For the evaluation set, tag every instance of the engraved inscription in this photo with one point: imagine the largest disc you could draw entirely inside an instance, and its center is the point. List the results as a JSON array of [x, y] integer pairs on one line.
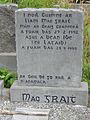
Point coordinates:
[[49, 46], [49, 99]]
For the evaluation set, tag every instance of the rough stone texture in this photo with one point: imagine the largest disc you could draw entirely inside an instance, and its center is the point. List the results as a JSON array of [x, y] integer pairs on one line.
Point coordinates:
[[1, 86], [57, 111], [6, 93], [49, 48], [36, 114], [68, 95], [7, 28]]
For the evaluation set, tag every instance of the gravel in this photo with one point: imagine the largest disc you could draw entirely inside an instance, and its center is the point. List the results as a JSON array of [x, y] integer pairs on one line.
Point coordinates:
[[57, 111]]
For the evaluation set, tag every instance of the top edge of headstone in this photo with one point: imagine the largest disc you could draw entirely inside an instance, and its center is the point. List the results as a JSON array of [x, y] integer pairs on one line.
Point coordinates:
[[48, 9], [6, 5]]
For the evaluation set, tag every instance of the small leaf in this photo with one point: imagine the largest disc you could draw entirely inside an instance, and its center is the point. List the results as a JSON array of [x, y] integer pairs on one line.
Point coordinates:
[[2, 76]]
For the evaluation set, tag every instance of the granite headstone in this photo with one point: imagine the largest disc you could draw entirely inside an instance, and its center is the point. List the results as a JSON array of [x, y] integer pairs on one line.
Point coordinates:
[[49, 44], [49, 47]]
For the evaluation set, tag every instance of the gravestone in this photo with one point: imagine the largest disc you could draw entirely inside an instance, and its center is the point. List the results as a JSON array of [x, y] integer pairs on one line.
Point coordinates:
[[7, 28], [49, 45]]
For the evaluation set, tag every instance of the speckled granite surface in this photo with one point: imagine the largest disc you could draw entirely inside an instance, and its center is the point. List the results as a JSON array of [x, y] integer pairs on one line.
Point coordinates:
[[57, 111]]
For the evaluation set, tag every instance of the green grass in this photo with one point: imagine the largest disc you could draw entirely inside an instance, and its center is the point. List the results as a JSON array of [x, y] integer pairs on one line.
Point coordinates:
[[38, 3], [86, 51]]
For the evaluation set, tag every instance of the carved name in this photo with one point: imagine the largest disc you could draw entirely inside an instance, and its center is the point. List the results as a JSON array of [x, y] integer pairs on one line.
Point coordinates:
[[49, 99]]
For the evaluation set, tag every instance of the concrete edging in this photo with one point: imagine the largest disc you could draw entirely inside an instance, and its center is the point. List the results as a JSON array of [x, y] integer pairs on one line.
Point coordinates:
[[8, 60]]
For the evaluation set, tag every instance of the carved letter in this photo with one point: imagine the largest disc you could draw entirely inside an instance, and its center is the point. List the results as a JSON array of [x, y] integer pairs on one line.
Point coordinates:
[[54, 99], [37, 98], [63, 100], [25, 97], [73, 99], [47, 98]]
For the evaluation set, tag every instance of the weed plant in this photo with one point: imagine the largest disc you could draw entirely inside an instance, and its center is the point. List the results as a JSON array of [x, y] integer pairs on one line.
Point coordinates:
[[86, 50], [7, 76]]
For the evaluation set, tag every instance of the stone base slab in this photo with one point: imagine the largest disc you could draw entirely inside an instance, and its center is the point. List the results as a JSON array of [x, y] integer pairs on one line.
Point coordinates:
[[67, 95], [6, 93], [30, 114], [1, 86]]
